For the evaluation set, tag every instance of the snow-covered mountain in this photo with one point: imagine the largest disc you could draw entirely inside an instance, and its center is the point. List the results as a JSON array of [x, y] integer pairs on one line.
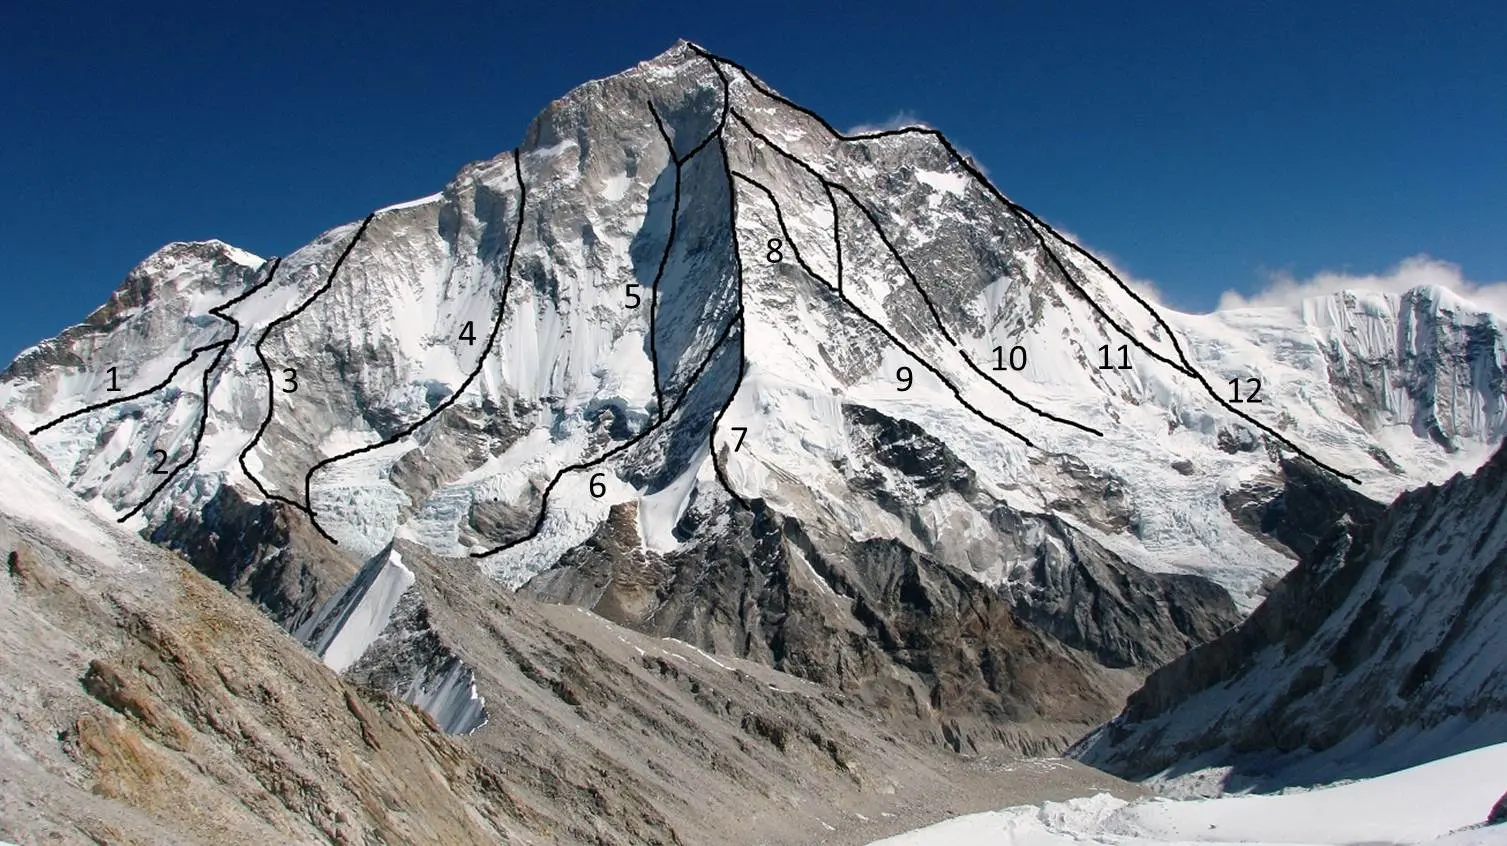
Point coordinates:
[[1382, 649], [690, 358]]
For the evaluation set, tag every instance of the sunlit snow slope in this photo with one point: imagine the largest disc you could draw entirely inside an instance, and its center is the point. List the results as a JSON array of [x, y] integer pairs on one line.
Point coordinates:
[[1440, 802]]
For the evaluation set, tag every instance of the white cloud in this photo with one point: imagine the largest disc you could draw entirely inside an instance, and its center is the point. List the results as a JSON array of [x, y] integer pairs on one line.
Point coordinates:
[[898, 120], [1283, 289], [1144, 287], [973, 160], [907, 118]]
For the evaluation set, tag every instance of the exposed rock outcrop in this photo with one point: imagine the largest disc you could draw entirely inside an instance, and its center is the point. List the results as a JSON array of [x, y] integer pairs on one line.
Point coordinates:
[[264, 552], [1297, 506], [1019, 665]]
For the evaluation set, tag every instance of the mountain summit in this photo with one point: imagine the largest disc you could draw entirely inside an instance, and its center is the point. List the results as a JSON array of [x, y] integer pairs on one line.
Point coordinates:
[[693, 359]]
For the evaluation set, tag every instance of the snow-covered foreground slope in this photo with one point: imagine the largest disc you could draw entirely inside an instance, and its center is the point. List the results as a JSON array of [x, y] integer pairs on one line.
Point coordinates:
[[1425, 804]]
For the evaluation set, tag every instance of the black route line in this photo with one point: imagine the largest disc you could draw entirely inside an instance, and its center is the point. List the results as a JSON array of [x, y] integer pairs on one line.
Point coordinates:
[[830, 186], [736, 318], [836, 234], [1011, 394], [217, 311], [889, 245], [1187, 369], [193, 355], [1181, 366], [958, 394], [973, 171], [1038, 224], [721, 121], [664, 259], [267, 368], [659, 393], [481, 361], [739, 317], [732, 225], [874, 221], [690, 384]]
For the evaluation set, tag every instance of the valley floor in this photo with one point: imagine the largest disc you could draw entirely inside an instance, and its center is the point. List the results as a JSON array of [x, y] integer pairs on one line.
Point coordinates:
[[1437, 803]]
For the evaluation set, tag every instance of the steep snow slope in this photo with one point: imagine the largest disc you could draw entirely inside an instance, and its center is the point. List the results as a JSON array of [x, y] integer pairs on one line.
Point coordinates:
[[371, 607], [1425, 804], [1381, 649]]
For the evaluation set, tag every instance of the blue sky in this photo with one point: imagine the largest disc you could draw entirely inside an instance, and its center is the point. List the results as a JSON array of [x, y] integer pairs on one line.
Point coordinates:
[[1205, 147]]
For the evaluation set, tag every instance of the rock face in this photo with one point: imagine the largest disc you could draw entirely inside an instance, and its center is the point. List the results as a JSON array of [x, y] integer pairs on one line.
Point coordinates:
[[143, 704], [1296, 507], [901, 626], [690, 358], [875, 619], [1425, 357], [264, 552], [1380, 650]]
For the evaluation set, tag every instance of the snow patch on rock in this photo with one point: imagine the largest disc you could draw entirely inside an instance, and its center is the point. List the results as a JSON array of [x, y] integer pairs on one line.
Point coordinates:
[[340, 632]]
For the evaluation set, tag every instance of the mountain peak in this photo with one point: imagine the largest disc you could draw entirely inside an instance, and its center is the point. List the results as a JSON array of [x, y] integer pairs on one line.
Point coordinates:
[[681, 84], [1440, 298], [676, 54], [211, 250]]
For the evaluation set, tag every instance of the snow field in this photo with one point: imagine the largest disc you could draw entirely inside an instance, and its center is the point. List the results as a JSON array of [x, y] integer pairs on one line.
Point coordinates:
[[1424, 804], [33, 494]]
